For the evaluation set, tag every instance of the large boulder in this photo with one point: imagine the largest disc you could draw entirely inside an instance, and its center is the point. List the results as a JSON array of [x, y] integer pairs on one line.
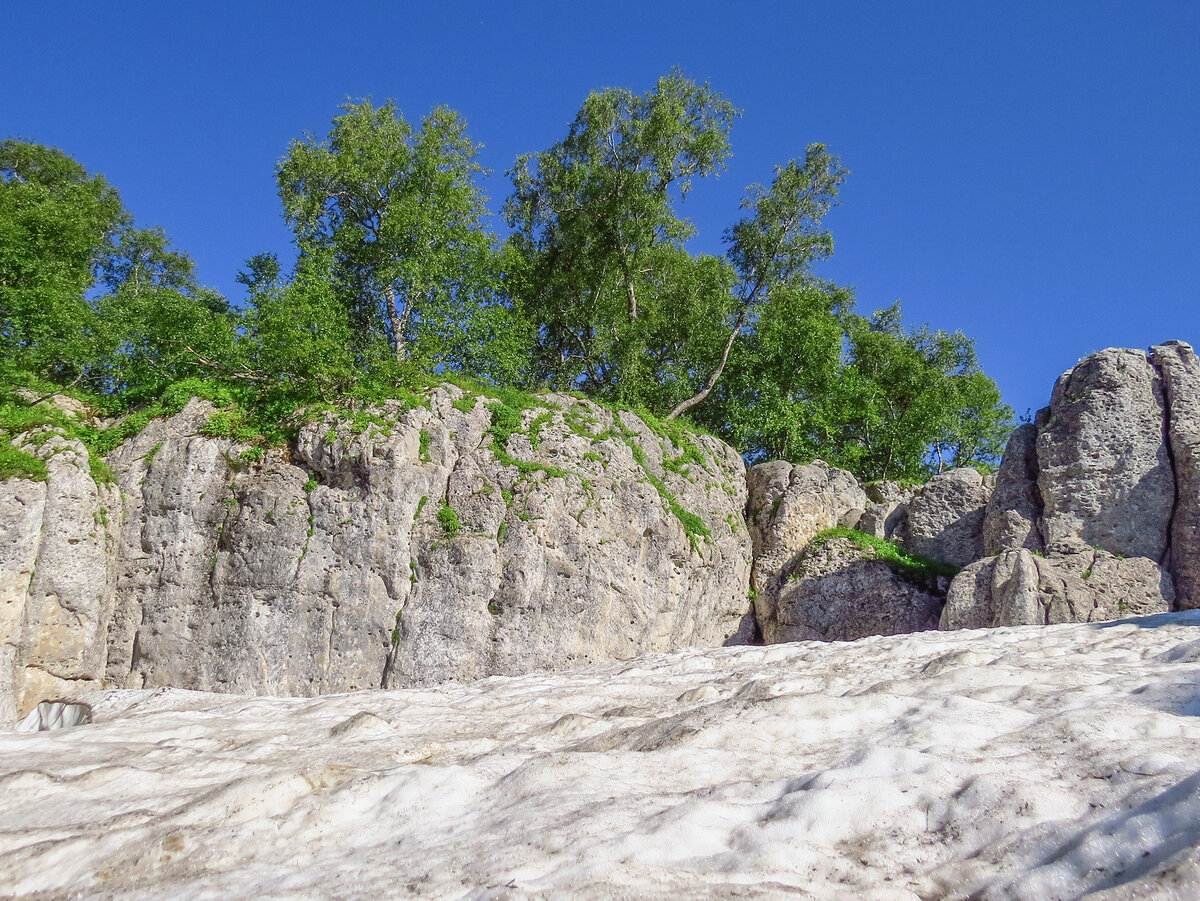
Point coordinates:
[[1020, 588], [1104, 470], [887, 508], [454, 538], [789, 505], [839, 590], [1105, 482], [1014, 510], [944, 519]]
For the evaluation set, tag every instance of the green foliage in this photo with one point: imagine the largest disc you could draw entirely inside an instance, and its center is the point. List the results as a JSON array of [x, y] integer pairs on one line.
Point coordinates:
[[156, 324], [55, 220], [398, 283], [16, 463], [448, 520], [596, 254], [397, 213], [535, 427], [816, 380], [904, 562], [423, 446], [465, 403]]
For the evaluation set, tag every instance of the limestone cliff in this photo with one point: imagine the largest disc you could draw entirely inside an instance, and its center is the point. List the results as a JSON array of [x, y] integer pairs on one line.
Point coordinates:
[[450, 540], [460, 537]]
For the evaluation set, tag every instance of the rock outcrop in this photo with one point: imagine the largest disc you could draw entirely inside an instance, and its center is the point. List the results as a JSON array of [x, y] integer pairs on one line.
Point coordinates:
[[944, 518], [1018, 588], [455, 539], [57, 570], [1179, 369], [887, 508], [788, 507], [1096, 512], [459, 537], [1013, 512], [1104, 471], [836, 590]]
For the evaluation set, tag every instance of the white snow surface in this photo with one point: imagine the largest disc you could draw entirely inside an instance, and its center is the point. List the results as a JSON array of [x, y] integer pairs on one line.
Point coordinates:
[[1034, 762]]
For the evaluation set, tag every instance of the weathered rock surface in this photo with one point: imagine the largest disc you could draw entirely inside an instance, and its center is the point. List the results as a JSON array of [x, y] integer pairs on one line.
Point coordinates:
[[838, 591], [887, 509], [789, 505], [1014, 510], [1104, 471], [56, 577], [1033, 763], [944, 519], [406, 550], [1018, 588], [1180, 371], [1105, 482]]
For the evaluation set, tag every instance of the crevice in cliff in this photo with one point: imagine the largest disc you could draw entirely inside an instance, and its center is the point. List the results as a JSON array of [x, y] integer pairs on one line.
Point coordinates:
[[1032, 468], [1168, 443]]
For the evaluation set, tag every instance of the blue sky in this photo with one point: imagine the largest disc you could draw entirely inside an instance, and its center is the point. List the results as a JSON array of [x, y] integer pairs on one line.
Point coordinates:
[[1024, 172]]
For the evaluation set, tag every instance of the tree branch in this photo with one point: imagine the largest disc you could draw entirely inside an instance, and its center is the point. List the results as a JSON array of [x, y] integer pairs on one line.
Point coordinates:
[[700, 395]]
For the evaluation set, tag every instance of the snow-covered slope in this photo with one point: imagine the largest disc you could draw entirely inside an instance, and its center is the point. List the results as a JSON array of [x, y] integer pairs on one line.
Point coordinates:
[[1033, 762]]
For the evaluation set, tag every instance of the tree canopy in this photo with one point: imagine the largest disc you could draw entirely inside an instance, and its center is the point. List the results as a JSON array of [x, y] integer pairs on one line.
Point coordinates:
[[398, 280], [398, 214]]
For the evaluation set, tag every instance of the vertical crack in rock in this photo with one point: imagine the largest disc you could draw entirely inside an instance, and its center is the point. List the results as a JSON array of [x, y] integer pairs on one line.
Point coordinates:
[[1168, 443], [1179, 371]]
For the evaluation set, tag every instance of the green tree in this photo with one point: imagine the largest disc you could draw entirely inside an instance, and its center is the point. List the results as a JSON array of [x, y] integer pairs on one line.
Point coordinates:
[[595, 224], [55, 220], [781, 397], [397, 213], [815, 380], [157, 324], [299, 340], [921, 403], [772, 250]]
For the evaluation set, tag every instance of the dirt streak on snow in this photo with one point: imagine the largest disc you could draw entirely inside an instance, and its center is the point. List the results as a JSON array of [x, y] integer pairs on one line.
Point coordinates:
[[1035, 762]]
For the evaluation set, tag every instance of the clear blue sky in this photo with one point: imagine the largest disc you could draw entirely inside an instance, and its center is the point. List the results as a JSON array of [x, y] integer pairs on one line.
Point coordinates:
[[1023, 171]]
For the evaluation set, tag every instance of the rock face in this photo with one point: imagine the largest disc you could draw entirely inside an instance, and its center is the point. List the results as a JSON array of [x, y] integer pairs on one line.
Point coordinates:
[[944, 519], [789, 505], [887, 509], [1104, 486], [838, 591], [56, 577], [406, 547], [1180, 372], [1017, 588], [1104, 470], [1014, 510], [459, 537]]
